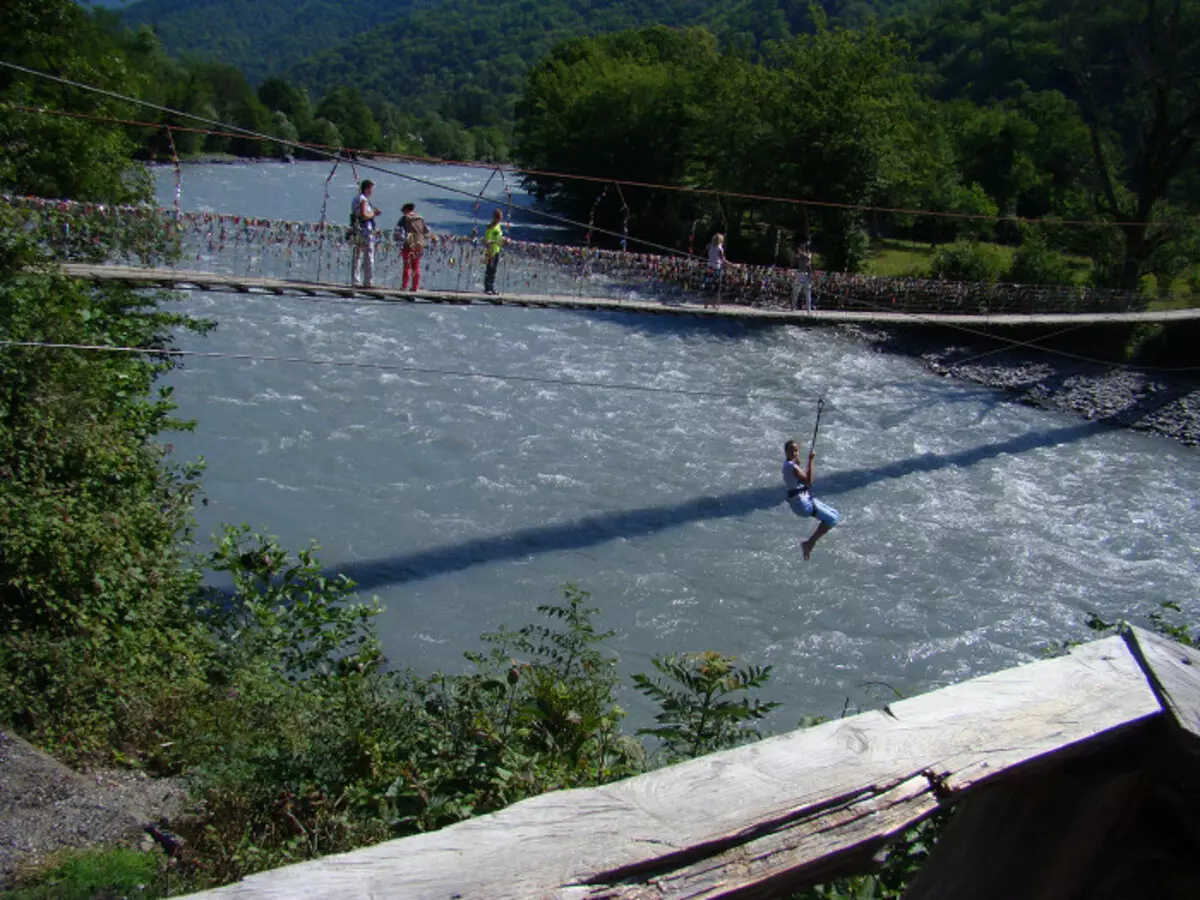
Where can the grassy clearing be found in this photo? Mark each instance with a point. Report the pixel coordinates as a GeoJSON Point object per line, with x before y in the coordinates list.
{"type": "Point", "coordinates": [898, 258]}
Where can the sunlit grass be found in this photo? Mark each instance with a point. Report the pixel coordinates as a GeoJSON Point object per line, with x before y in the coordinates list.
{"type": "Point", "coordinates": [896, 258]}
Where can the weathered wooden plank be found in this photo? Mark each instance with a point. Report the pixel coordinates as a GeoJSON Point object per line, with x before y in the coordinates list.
{"type": "Point", "coordinates": [184, 280]}
{"type": "Point", "coordinates": [556, 844]}
{"type": "Point", "coordinates": [791, 854]}
{"type": "Point", "coordinates": [1174, 673]}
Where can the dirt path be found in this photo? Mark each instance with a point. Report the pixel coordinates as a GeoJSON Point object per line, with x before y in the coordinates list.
{"type": "Point", "coordinates": [46, 808]}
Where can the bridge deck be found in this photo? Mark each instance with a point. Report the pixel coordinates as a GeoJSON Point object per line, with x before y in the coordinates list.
{"type": "Point", "coordinates": [182, 279]}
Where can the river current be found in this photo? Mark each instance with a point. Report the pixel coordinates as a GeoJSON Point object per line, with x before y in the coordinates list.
{"type": "Point", "coordinates": [975, 532]}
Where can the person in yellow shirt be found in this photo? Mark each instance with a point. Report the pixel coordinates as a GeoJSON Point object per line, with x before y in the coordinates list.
{"type": "Point", "coordinates": [493, 240]}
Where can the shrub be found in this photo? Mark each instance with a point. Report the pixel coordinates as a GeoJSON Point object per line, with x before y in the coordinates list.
{"type": "Point", "coordinates": [967, 261]}
{"type": "Point", "coordinates": [1036, 262]}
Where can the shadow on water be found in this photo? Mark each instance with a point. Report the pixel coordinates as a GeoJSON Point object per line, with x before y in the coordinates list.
{"type": "Point", "coordinates": [634, 523]}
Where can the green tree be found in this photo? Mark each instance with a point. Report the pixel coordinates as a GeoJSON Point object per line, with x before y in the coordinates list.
{"type": "Point", "coordinates": [1036, 262]}
{"type": "Point", "coordinates": [58, 156]}
{"type": "Point", "coordinates": [1134, 65]}
{"type": "Point", "coordinates": [627, 103]}
{"type": "Point", "coordinates": [966, 260]}
{"type": "Point", "coordinates": [94, 640]}
{"type": "Point", "coordinates": [831, 117]}
{"type": "Point", "coordinates": [279, 95]}
{"type": "Point", "coordinates": [345, 107]}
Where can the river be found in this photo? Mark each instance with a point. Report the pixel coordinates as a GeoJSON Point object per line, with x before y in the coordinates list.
{"type": "Point", "coordinates": [975, 532]}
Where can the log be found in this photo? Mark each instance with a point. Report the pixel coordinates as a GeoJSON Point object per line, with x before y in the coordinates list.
{"type": "Point", "coordinates": [1174, 673]}
{"type": "Point", "coordinates": [736, 823]}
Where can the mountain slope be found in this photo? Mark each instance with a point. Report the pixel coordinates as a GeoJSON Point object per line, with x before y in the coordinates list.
{"type": "Point", "coordinates": [468, 58]}
{"type": "Point", "coordinates": [261, 37]}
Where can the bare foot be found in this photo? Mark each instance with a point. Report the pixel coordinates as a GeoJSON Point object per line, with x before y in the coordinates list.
{"type": "Point", "coordinates": [806, 546]}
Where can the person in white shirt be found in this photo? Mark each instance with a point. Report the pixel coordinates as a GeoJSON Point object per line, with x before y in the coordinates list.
{"type": "Point", "coordinates": [716, 265]}
{"type": "Point", "coordinates": [362, 221]}
{"type": "Point", "coordinates": [799, 496]}
{"type": "Point", "coordinates": [803, 283]}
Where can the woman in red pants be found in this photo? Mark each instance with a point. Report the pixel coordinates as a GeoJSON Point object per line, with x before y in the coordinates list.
{"type": "Point", "coordinates": [412, 232]}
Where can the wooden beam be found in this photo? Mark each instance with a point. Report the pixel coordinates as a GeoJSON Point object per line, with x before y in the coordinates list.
{"type": "Point", "coordinates": [723, 825]}
{"type": "Point", "coordinates": [1174, 672]}
{"type": "Point", "coordinates": [184, 279]}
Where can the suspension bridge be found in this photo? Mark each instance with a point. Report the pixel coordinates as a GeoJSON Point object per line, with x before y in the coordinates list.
{"type": "Point", "coordinates": [154, 248]}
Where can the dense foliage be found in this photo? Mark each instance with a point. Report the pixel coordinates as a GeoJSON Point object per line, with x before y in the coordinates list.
{"type": "Point", "coordinates": [272, 695]}
{"type": "Point", "coordinates": [1099, 126]}
{"type": "Point", "coordinates": [974, 112]}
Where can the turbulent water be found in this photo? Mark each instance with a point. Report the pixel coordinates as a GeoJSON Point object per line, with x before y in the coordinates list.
{"type": "Point", "coordinates": [974, 531]}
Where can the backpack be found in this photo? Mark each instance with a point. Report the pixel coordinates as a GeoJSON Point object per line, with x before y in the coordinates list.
{"type": "Point", "coordinates": [414, 235]}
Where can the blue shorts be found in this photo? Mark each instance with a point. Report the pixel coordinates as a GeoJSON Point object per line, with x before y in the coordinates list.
{"type": "Point", "coordinates": [805, 504]}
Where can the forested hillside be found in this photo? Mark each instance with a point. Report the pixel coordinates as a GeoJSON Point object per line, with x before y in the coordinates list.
{"type": "Point", "coordinates": [462, 59]}
{"type": "Point", "coordinates": [262, 37]}
{"type": "Point", "coordinates": [969, 110]}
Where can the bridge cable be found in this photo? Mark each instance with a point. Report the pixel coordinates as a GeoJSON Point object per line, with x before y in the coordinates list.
{"type": "Point", "coordinates": [600, 179]}
{"type": "Point", "coordinates": [562, 220]}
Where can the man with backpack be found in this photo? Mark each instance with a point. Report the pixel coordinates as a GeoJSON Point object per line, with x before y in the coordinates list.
{"type": "Point", "coordinates": [362, 227]}
{"type": "Point", "coordinates": [411, 232]}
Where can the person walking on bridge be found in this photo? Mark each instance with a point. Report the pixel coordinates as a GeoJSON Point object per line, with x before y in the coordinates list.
{"type": "Point", "coordinates": [804, 277]}
{"type": "Point", "coordinates": [716, 267]}
{"type": "Point", "coordinates": [412, 233]}
{"type": "Point", "coordinates": [362, 224]}
{"type": "Point", "coordinates": [493, 240]}
{"type": "Point", "coordinates": [799, 496]}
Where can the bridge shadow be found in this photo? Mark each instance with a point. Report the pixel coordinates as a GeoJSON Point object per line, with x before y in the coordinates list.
{"type": "Point", "coordinates": [589, 531]}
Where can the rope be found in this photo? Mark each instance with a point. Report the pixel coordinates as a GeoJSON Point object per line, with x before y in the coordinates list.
{"type": "Point", "coordinates": [592, 217]}
{"type": "Point", "coordinates": [324, 211]}
{"type": "Point", "coordinates": [625, 210]}
{"type": "Point", "coordinates": [178, 171]}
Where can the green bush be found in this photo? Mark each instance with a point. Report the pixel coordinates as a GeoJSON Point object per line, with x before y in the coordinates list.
{"type": "Point", "coordinates": [1036, 262]}
{"type": "Point", "coordinates": [967, 261]}
{"type": "Point", "coordinates": [96, 643]}
{"type": "Point", "coordinates": [697, 717]}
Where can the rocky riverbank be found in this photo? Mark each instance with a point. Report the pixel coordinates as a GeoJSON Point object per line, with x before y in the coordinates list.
{"type": "Point", "coordinates": [1155, 400]}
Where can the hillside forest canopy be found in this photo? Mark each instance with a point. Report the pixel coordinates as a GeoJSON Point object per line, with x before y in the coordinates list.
{"type": "Point", "coordinates": [999, 122]}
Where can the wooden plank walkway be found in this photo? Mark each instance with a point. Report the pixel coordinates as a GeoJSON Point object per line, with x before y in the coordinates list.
{"type": "Point", "coordinates": [785, 812]}
{"type": "Point", "coordinates": [182, 279]}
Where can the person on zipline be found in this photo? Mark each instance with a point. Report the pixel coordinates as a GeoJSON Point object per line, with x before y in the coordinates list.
{"type": "Point", "coordinates": [493, 240]}
{"type": "Point", "coordinates": [799, 496]}
{"type": "Point", "coordinates": [362, 221]}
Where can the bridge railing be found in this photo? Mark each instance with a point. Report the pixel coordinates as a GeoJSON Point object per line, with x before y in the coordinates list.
{"type": "Point", "coordinates": [218, 243]}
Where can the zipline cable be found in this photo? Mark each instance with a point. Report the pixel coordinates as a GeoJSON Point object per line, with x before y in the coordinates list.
{"type": "Point", "coordinates": [812, 447]}
{"type": "Point", "coordinates": [395, 367]}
